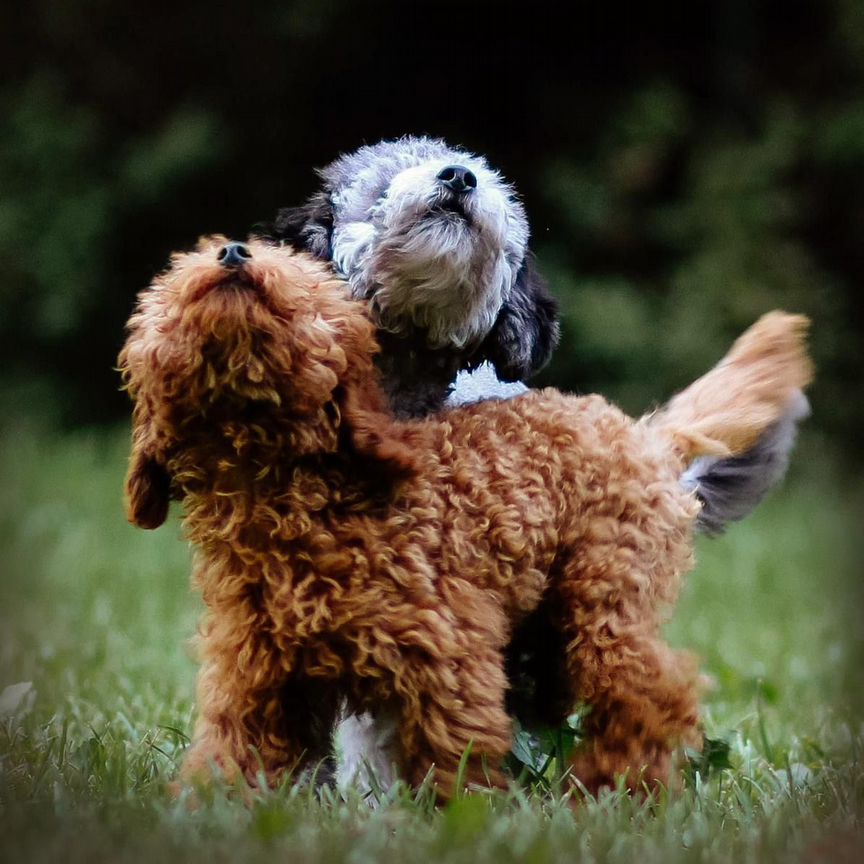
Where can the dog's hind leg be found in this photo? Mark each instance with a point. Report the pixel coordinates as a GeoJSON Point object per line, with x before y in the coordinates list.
{"type": "Point", "coordinates": [448, 715]}
{"type": "Point", "coordinates": [642, 695]}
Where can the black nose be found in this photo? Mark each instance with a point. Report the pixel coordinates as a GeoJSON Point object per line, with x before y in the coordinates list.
{"type": "Point", "coordinates": [458, 178]}
{"type": "Point", "coordinates": [233, 255]}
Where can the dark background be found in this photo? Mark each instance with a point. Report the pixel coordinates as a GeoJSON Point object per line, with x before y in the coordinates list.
{"type": "Point", "coordinates": [685, 166]}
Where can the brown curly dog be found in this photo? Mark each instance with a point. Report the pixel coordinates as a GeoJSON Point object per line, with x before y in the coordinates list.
{"type": "Point", "coordinates": [344, 555]}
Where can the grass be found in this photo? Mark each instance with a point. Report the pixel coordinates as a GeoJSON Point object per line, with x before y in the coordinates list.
{"type": "Point", "coordinates": [95, 616]}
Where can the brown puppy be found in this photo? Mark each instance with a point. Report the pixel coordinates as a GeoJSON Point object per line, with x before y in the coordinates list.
{"type": "Point", "coordinates": [343, 554]}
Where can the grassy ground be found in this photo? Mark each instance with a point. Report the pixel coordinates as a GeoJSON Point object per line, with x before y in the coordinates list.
{"type": "Point", "coordinates": [95, 616]}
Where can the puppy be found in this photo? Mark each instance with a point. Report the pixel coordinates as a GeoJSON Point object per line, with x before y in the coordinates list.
{"type": "Point", "coordinates": [346, 555]}
{"type": "Point", "coordinates": [437, 244]}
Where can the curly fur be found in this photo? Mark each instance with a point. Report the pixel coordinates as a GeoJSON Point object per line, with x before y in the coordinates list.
{"type": "Point", "coordinates": [346, 555]}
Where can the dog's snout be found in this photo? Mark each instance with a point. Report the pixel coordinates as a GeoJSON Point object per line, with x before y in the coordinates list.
{"type": "Point", "coordinates": [233, 255]}
{"type": "Point", "coordinates": [458, 178]}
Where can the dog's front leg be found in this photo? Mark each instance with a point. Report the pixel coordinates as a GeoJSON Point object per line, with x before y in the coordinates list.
{"type": "Point", "coordinates": [249, 724]}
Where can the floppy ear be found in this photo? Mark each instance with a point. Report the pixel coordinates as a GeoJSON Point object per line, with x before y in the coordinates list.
{"type": "Point", "coordinates": [373, 434]}
{"type": "Point", "coordinates": [148, 484]}
{"type": "Point", "coordinates": [526, 331]}
{"type": "Point", "coordinates": [366, 422]}
{"type": "Point", "coordinates": [309, 227]}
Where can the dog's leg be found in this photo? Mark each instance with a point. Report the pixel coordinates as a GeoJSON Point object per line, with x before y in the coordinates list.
{"type": "Point", "coordinates": [642, 694]}
{"type": "Point", "coordinates": [367, 749]}
{"type": "Point", "coordinates": [246, 727]}
{"type": "Point", "coordinates": [449, 707]}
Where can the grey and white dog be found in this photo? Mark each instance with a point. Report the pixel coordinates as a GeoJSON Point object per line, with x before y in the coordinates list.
{"type": "Point", "coordinates": [437, 242]}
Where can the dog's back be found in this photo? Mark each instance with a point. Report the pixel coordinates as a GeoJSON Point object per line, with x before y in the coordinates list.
{"type": "Point", "coordinates": [547, 471]}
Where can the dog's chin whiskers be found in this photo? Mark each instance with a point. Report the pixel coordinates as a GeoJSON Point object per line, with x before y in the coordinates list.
{"type": "Point", "coordinates": [236, 280]}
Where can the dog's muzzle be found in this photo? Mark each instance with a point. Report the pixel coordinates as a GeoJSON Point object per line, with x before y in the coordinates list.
{"type": "Point", "coordinates": [234, 255]}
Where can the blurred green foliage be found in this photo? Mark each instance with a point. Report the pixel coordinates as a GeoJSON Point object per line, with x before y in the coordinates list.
{"type": "Point", "coordinates": [65, 185]}
{"type": "Point", "coordinates": [709, 229]}
{"type": "Point", "coordinates": [685, 169]}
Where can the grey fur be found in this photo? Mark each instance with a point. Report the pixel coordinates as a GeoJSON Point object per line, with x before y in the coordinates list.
{"type": "Point", "coordinates": [449, 280]}
{"type": "Point", "coordinates": [731, 488]}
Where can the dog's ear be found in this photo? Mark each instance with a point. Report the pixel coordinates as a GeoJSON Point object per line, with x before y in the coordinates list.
{"type": "Point", "coordinates": [366, 421]}
{"type": "Point", "coordinates": [373, 434]}
{"type": "Point", "coordinates": [526, 331]}
{"type": "Point", "coordinates": [148, 491]}
{"type": "Point", "coordinates": [148, 484]}
{"type": "Point", "coordinates": [309, 227]}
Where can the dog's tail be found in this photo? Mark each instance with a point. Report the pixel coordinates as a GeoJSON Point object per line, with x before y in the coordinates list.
{"type": "Point", "coordinates": [735, 427]}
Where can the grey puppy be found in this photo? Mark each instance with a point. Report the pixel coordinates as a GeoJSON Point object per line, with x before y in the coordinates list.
{"type": "Point", "coordinates": [437, 242]}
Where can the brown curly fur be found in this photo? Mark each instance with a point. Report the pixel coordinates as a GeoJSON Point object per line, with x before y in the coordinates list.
{"type": "Point", "coordinates": [345, 555]}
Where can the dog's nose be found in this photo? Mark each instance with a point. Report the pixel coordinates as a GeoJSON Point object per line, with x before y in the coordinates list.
{"type": "Point", "coordinates": [457, 178]}
{"type": "Point", "coordinates": [233, 255]}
